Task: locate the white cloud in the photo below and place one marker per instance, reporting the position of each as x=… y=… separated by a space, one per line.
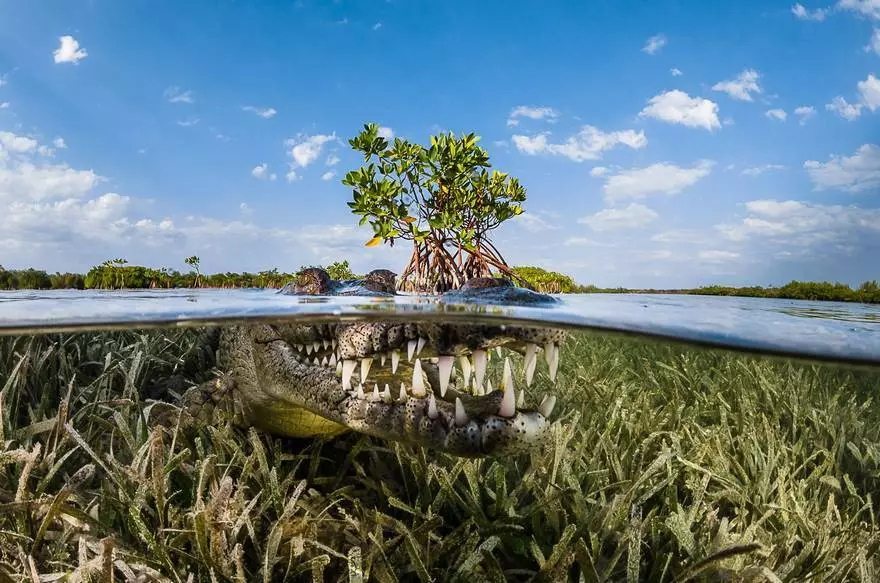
x=801 y=224
x=245 y=208
x=717 y=256
x=803 y=14
x=377 y=26
x=758 y=170
x=846 y=110
x=189 y=122
x=263 y=112
x=855 y=173
x=174 y=95
x=17 y=144
x=676 y=72
x=654 y=44
x=660 y=178
x=545 y=113
x=533 y=223
x=69 y=51
x=804 y=112
x=4 y=104
x=778 y=114
x=874 y=43
x=305 y=149
x=680 y=108
x=329 y=175
x=630 y=217
x=386 y=132
x=261 y=171
x=869 y=92
x=332 y=160
x=291 y=175
x=742 y=87
x=598 y=171
x=59 y=143
x=679 y=236
x=869 y=8
x=588 y=144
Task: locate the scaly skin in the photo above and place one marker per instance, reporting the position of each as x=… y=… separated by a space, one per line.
x=278 y=387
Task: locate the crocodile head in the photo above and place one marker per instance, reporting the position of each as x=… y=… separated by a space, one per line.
x=448 y=386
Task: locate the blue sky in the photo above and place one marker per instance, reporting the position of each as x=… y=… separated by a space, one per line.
x=662 y=144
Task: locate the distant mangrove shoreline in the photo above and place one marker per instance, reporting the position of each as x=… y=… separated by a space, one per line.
x=118 y=274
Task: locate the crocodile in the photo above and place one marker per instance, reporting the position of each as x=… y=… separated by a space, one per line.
x=418 y=382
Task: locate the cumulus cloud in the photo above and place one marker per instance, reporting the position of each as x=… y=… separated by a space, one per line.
x=59 y=143
x=758 y=170
x=857 y=173
x=742 y=87
x=678 y=107
x=869 y=92
x=386 y=132
x=329 y=175
x=69 y=51
x=263 y=112
x=174 y=95
x=533 y=222
x=676 y=72
x=680 y=236
x=630 y=217
x=801 y=224
x=803 y=14
x=305 y=149
x=660 y=178
x=846 y=110
x=545 y=113
x=261 y=172
x=804 y=112
x=869 y=8
x=717 y=256
x=598 y=171
x=4 y=104
x=654 y=44
x=874 y=43
x=778 y=114
x=188 y=122
x=332 y=160
x=588 y=144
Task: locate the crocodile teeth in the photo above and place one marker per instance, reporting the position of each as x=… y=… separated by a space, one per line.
x=531 y=359
x=332 y=359
x=403 y=396
x=421 y=344
x=308 y=348
x=551 y=355
x=507 y=378
x=333 y=343
x=339 y=370
x=347 y=371
x=432 y=407
x=418 y=380
x=466 y=369
x=299 y=347
x=316 y=346
x=386 y=394
x=326 y=344
x=395 y=360
x=410 y=350
x=521 y=399
x=324 y=361
x=547 y=404
x=316 y=361
x=479 y=366
x=508 y=403
x=461 y=417
x=382 y=359
x=489 y=388
x=444 y=365
x=360 y=392
x=376 y=396
x=365 y=368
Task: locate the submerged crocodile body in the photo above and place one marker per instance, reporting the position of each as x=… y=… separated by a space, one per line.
x=391 y=379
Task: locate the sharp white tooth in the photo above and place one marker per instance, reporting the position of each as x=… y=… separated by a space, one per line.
x=299 y=347
x=461 y=417
x=418 y=380
x=444 y=366
x=360 y=391
x=489 y=388
x=410 y=349
x=339 y=370
x=551 y=355
x=326 y=344
x=347 y=371
x=403 y=395
x=531 y=359
x=333 y=343
x=386 y=394
x=480 y=359
x=316 y=346
x=547 y=404
x=376 y=396
x=421 y=344
x=316 y=361
x=466 y=369
x=308 y=348
x=324 y=361
x=395 y=360
x=520 y=399
x=365 y=368
x=507 y=377
x=432 y=408
x=382 y=359
x=508 y=403
x=333 y=359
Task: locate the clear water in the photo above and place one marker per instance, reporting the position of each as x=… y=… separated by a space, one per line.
x=842 y=332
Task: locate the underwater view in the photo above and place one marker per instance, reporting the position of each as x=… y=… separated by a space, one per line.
x=488 y=440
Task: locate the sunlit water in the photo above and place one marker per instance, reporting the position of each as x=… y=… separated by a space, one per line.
x=844 y=332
